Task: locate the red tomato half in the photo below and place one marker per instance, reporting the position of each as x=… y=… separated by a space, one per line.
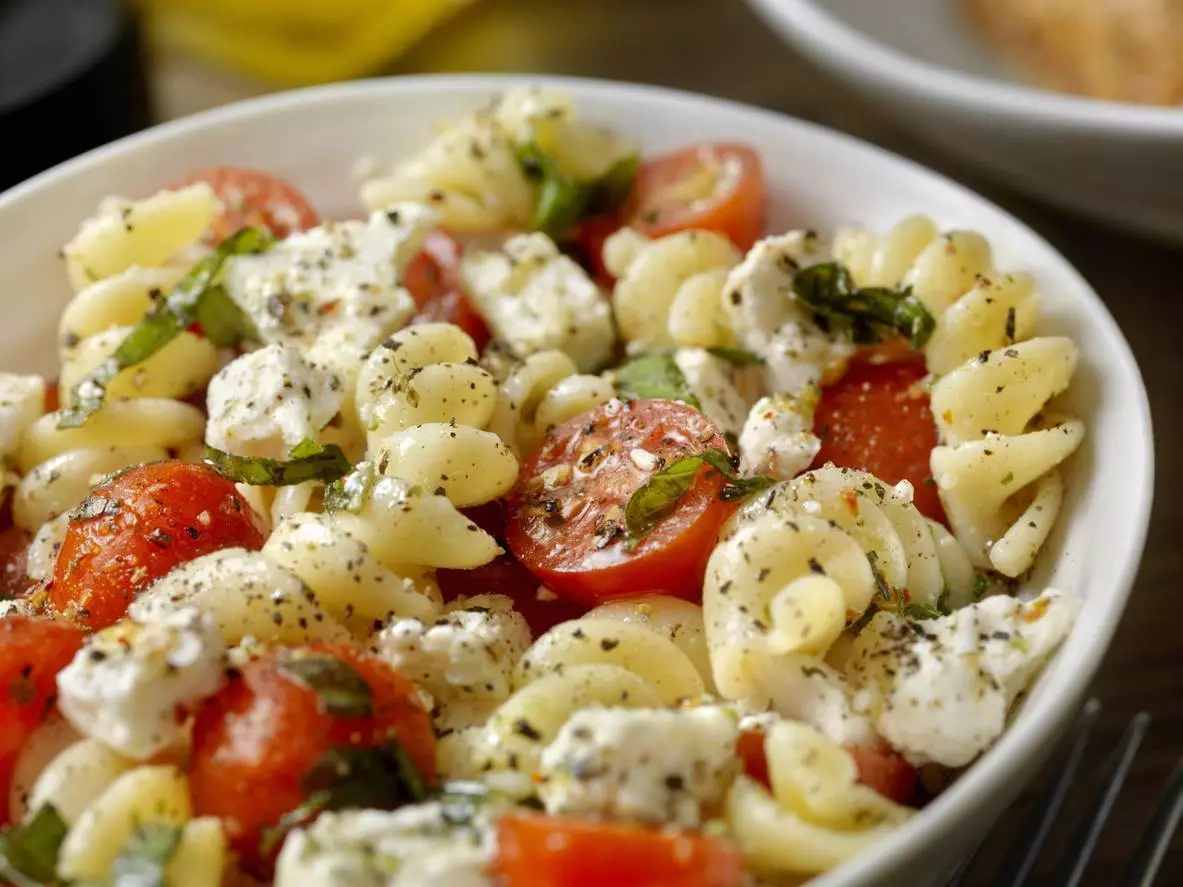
x=256 y=740
x=881 y=769
x=433 y=280
x=32 y=652
x=250 y=197
x=146 y=521
x=712 y=186
x=590 y=235
x=566 y=514
x=545 y=851
x=876 y=418
x=14 y=546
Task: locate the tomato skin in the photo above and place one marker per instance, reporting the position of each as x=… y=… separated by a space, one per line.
x=32 y=652
x=738 y=213
x=255 y=740
x=590 y=236
x=165 y=514
x=433 y=279
x=544 y=851
x=14 y=549
x=876 y=418
x=883 y=770
x=252 y=197
x=571 y=534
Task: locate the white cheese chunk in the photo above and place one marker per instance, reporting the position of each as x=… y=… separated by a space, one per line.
x=423 y=844
x=267 y=401
x=725 y=390
x=534 y=298
x=468 y=653
x=130 y=684
x=939 y=689
x=337 y=273
x=22 y=401
x=777 y=437
x=654 y=765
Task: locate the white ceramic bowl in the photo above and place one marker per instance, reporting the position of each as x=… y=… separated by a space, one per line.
x=816 y=178
x=1120 y=163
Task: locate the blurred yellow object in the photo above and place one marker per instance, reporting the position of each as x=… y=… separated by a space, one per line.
x=294 y=42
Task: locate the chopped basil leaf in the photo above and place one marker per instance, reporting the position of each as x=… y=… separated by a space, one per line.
x=865 y=315
x=341 y=689
x=737 y=356
x=195 y=299
x=305 y=448
x=865 y=620
x=29 y=852
x=654 y=375
x=920 y=611
x=943 y=601
x=657 y=499
x=326 y=464
x=350 y=492
x=95 y=506
x=274 y=835
x=981 y=586
x=564 y=201
x=145 y=857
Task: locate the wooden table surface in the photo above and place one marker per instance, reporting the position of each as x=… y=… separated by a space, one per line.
x=719 y=47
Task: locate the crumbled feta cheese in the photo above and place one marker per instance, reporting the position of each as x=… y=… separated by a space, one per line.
x=17 y=607
x=777 y=438
x=725 y=391
x=22 y=401
x=939 y=689
x=467 y=653
x=267 y=401
x=129 y=684
x=436 y=843
x=534 y=298
x=654 y=765
x=338 y=272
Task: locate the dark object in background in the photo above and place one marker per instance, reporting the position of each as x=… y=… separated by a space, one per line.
x=71 y=78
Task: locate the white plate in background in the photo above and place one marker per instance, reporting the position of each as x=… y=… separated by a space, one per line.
x=1117 y=162
x=816 y=178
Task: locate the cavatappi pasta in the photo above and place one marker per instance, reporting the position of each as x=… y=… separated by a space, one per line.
x=430 y=544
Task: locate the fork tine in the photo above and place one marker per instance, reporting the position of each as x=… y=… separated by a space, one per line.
x=1160 y=831
x=1084 y=840
x=1022 y=856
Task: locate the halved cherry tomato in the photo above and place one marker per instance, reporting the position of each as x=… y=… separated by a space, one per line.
x=142 y=523
x=508 y=576
x=433 y=279
x=545 y=851
x=881 y=769
x=251 y=197
x=566 y=514
x=589 y=236
x=876 y=418
x=14 y=547
x=712 y=186
x=885 y=771
x=256 y=740
x=32 y=652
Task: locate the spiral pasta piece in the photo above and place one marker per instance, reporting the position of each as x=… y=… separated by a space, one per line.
x=467 y=465
x=669 y=291
x=541 y=392
x=997 y=467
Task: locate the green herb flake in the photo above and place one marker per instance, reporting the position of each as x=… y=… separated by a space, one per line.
x=564 y=201
x=95 y=506
x=981 y=586
x=737 y=356
x=654 y=376
x=920 y=611
x=343 y=692
x=197 y=298
x=350 y=492
x=144 y=859
x=29 y=852
x=649 y=505
x=1008 y=478
x=866 y=315
x=326 y=464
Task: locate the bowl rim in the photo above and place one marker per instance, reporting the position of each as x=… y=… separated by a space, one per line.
x=827 y=38
x=1079 y=657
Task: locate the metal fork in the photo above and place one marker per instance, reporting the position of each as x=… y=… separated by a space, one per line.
x=1142 y=868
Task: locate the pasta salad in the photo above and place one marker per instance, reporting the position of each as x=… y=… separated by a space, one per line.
x=551 y=523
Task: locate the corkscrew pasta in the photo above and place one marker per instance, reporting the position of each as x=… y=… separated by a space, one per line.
x=550 y=508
